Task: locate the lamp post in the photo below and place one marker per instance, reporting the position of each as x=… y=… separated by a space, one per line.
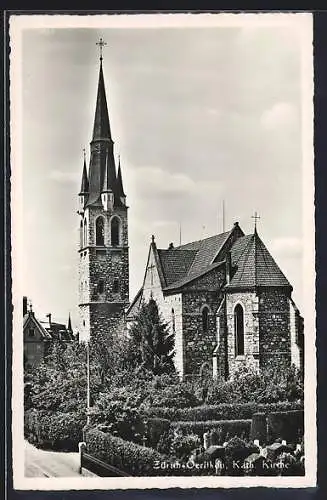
x=88 y=399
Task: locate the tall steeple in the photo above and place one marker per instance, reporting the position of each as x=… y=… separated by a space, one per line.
x=85 y=180
x=102 y=173
x=101 y=128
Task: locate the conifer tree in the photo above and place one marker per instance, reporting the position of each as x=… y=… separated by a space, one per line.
x=151 y=345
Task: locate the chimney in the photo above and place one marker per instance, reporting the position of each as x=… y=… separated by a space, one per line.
x=228 y=267
x=24 y=305
x=49 y=316
x=171 y=246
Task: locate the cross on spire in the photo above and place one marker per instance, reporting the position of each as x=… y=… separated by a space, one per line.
x=101 y=44
x=84 y=154
x=255 y=217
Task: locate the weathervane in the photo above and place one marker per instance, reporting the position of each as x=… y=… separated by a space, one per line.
x=255 y=217
x=101 y=44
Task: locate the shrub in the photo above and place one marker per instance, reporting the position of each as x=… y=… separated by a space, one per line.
x=178 y=396
x=183 y=444
x=228 y=428
x=156 y=427
x=223 y=411
x=236 y=452
x=56 y=431
x=288 y=425
x=126 y=456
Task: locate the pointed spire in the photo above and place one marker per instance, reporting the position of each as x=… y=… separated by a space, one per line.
x=101 y=129
x=120 y=188
x=109 y=178
x=69 y=326
x=85 y=180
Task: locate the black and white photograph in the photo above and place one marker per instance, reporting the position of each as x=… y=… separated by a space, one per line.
x=163 y=251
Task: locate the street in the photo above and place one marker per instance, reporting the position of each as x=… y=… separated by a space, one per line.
x=41 y=463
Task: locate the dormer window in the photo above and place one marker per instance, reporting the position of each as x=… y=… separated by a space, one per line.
x=31 y=332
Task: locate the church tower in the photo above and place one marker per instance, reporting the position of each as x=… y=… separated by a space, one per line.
x=103 y=247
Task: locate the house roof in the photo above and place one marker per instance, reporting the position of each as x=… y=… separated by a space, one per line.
x=253 y=265
x=30 y=318
x=175 y=263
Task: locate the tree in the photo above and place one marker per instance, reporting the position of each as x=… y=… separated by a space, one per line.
x=151 y=345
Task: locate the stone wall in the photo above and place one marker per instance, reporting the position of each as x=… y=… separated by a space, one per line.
x=104 y=267
x=249 y=302
x=275 y=336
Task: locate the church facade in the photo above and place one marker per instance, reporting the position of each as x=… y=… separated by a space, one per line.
x=227 y=302
x=224 y=298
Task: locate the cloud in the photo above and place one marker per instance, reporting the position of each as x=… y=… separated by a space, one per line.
x=287 y=247
x=64 y=177
x=281 y=114
x=154 y=182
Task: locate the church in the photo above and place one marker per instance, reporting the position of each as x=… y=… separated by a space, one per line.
x=225 y=299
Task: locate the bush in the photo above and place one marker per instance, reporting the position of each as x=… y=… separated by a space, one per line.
x=183 y=445
x=236 y=452
x=227 y=428
x=288 y=425
x=179 y=396
x=55 y=431
x=259 y=427
x=126 y=456
x=156 y=427
x=223 y=411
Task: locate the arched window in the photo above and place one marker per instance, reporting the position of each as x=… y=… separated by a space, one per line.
x=173 y=319
x=239 y=330
x=99 y=232
x=81 y=235
x=85 y=233
x=100 y=286
x=115 y=231
x=205 y=371
x=205 y=319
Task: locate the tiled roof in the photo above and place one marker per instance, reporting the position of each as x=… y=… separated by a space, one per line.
x=30 y=318
x=175 y=264
x=252 y=265
x=190 y=277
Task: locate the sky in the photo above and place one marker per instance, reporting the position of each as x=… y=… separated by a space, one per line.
x=198 y=115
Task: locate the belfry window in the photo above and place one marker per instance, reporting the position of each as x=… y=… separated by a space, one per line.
x=173 y=319
x=99 y=231
x=115 y=231
x=85 y=233
x=81 y=235
x=205 y=319
x=239 y=330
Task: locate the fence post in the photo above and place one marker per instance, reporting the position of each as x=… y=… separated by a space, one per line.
x=81 y=448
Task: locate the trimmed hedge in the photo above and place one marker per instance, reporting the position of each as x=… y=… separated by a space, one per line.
x=228 y=428
x=223 y=411
x=124 y=455
x=55 y=431
x=288 y=425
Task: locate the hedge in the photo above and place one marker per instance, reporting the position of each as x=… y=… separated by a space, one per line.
x=288 y=425
x=228 y=428
x=124 y=455
x=55 y=431
x=223 y=411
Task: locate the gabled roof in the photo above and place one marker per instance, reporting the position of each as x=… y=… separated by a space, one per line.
x=134 y=308
x=175 y=263
x=30 y=318
x=253 y=266
x=190 y=277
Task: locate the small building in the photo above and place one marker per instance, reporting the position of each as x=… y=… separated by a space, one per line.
x=38 y=336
